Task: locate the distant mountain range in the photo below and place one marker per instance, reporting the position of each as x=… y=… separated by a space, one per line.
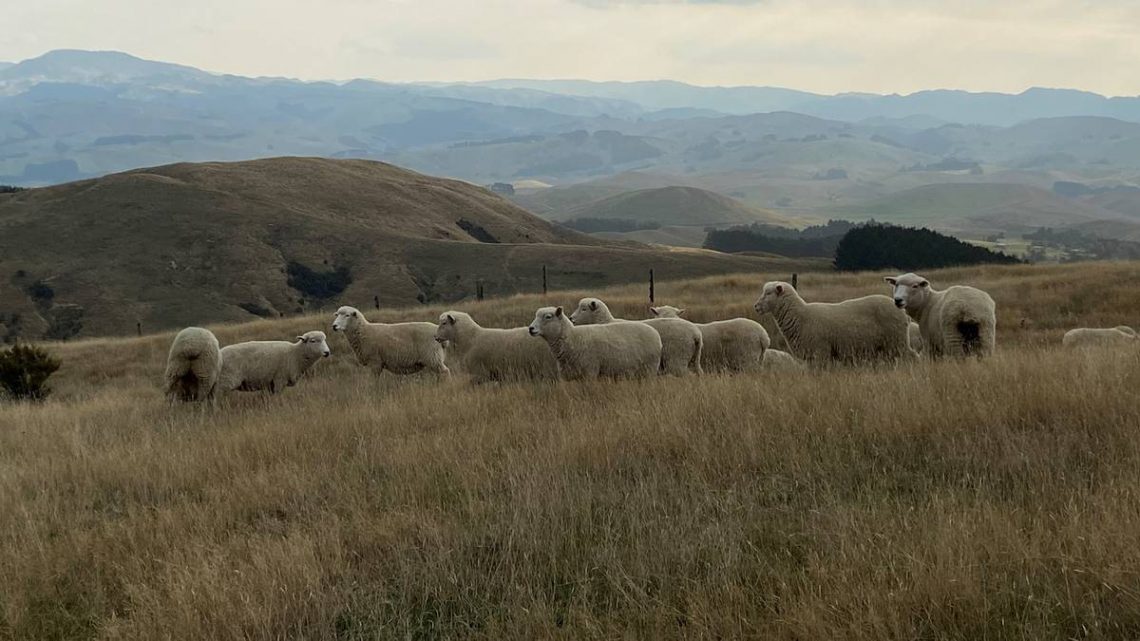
x=70 y=115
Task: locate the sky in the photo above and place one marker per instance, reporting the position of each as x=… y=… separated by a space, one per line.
x=880 y=46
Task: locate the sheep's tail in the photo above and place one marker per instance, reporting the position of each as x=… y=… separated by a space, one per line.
x=971 y=328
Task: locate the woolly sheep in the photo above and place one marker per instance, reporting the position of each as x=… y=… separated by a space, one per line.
x=778 y=361
x=400 y=348
x=914 y=336
x=490 y=354
x=615 y=350
x=681 y=341
x=193 y=365
x=867 y=328
x=270 y=365
x=1089 y=337
x=733 y=345
x=957 y=321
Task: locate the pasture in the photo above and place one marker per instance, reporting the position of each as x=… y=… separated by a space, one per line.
x=993 y=499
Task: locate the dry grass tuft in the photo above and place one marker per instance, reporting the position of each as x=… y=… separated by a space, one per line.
x=955 y=500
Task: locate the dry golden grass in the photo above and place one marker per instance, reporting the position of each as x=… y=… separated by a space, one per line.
x=954 y=500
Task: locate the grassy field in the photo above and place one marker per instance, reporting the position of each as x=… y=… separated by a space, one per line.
x=951 y=500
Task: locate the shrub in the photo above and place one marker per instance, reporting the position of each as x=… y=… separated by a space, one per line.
x=24 y=371
x=880 y=246
x=317 y=285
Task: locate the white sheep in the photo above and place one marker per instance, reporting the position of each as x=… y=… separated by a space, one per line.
x=733 y=345
x=400 y=348
x=778 y=361
x=616 y=350
x=1090 y=337
x=867 y=328
x=681 y=341
x=957 y=321
x=193 y=365
x=490 y=354
x=914 y=336
x=270 y=365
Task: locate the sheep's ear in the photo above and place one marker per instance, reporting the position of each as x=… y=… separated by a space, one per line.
x=924 y=284
x=558 y=312
x=680 y=312
x=300 y=339
x=779 y=290
x=594 y=305
x=891 y=280
x=450 y=319
x=653 y=310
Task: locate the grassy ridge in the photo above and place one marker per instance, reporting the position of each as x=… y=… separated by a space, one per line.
x=949 y=500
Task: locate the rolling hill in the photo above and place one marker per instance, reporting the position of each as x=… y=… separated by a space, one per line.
x=978 y=208
x=675 y=205
x=199 y=243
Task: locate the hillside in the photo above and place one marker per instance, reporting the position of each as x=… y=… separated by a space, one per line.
x=674 y=206
x=974 y=208
x=196 y=243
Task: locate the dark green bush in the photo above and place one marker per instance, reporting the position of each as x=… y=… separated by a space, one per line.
x=24 y=371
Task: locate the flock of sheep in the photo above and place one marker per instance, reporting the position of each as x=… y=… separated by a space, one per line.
x=589 y=342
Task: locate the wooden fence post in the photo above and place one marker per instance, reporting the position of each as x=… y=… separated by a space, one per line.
x=544 y=280
x=652 y=298
x=376 y=301
x=138 y=327
x=479 y=290
x=795 y=279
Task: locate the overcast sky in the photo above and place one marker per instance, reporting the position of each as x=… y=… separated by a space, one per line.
x=827 y=46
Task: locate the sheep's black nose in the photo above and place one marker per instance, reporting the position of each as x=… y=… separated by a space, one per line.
x=899 y=302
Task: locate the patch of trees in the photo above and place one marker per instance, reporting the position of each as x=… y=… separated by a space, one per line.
x=476 y=231
x=879 y=246
x=817 y=240
x=10 y=189
x=592 y=225
x=317 y=285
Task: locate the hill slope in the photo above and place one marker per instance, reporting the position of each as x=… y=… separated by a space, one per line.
x=197 y=243
x=978 y=207
x=674 y=205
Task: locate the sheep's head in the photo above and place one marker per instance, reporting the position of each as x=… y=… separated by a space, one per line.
x=910 y=291
x=589 y=312
x=447 y=330
x=549 y=323
x=771 y=295
x=314 y=344
x=666 y=311
x=345 y=318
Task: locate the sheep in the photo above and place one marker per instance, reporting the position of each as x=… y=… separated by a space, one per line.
x=733 y=345
x=489 y=354
x=957 y=321
x=400 y=348
x=681 y=341
x=193 y=366
x=868 y=328
x=778 y=361
x=1089 y=337
x=270 y=365
x=914 y=336
x=615 y=350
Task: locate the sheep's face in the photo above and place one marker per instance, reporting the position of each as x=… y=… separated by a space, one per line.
x=587 y=312
x=770 y=296
x=446 y=330
x=666 y=311
x=910 y=291
x=548 y=323
x=315 y=344
x=345 y=318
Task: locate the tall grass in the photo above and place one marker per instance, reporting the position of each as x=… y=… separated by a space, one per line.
x=952 y=500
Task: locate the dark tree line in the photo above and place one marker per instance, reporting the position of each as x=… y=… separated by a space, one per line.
x=878 y=246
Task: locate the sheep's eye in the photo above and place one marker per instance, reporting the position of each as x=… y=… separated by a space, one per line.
x=548 y=317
